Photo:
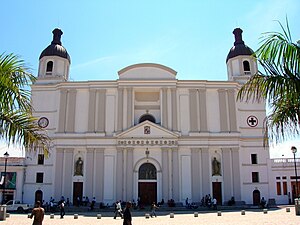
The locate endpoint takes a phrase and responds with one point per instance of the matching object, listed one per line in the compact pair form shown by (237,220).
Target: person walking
(127,214)
(118,209)
(62,209)
(153,208)
(38,213)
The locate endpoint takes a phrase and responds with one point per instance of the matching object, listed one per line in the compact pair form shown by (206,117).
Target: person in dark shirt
(127,214)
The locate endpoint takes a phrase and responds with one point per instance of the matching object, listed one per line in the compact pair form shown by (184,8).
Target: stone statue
(78,167)
(216,167)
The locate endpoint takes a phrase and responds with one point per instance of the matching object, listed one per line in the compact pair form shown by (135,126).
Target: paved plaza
(272,217)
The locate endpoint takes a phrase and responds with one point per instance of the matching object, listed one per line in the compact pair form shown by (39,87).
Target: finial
(56,36)
(238,36)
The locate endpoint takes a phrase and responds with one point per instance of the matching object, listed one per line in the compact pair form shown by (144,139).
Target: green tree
(17,125)
(278,84)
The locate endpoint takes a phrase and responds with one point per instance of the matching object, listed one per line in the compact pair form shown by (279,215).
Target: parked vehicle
(15,205)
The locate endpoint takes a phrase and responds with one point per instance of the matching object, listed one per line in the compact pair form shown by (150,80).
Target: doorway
(147,192)
(77,192)
(217,192)
(256,197)
(38,196)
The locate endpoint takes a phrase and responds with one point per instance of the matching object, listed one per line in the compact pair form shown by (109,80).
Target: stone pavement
(277,216)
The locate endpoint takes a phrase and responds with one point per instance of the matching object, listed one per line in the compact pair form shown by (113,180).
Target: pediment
(148,130)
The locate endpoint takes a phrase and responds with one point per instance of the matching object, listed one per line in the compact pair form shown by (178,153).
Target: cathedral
(147,135)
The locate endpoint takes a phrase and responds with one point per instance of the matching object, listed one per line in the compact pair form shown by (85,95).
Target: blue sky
(192,37)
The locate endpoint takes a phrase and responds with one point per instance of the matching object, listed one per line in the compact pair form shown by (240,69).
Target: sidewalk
(252,217)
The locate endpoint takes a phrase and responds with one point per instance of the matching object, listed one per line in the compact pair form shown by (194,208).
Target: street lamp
(6,155)
(294,150)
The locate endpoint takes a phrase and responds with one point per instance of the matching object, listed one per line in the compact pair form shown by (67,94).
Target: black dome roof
(239,47)
(55,48)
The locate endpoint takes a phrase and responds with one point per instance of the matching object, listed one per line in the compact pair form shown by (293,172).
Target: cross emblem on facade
(252,121)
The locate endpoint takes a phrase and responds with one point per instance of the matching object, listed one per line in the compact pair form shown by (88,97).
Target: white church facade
(147,135)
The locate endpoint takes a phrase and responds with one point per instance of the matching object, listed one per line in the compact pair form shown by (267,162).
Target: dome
(56,48)
(239,47)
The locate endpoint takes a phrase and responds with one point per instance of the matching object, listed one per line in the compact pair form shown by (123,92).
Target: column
(71,110)
(92,110)
(68,173)
(124,173)
(62,111)
(236,174)
(129,177)
(119,174)
(120,109)
(202,110)
(193,110)
(98,190)
(223,110)
(58,179)
(205,161)
(164,108)
(101,94)
(165,174)
(129,108)
(232,111)
(227,173)
(174,110)
(175,174)
(195,166)
(89,172)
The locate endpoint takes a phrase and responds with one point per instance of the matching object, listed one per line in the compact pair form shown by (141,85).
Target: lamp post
(294,150)
(6,155)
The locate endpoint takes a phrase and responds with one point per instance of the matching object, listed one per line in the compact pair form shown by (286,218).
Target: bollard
(171,215)
(219,213)
(51,216)
(7,215)
(195,214)
(288,210)
(75,216)
(265,211)
(98,216)
(147,215)
(243,212)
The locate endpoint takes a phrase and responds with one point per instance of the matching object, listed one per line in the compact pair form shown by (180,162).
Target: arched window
(147,117)
(49,67)
(246,66)
(147,171)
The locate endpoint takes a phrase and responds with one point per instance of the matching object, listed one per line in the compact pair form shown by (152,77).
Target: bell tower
(54,61)
(240,61)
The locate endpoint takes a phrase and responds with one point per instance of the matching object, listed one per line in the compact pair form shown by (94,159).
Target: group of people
(38,214)
(209,202)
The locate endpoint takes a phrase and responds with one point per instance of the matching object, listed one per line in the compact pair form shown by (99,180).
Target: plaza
(274,216)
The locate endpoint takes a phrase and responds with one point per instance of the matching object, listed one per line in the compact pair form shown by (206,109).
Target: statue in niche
(216,167)
(78,171)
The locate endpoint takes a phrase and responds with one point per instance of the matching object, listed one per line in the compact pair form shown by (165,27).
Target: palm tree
(17,125)
(279,84)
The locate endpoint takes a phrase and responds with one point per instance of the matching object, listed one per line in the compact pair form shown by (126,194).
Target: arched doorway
(39,196)
(256,197)
(147,185)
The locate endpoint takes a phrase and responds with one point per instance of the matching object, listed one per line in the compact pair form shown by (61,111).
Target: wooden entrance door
(39,196)
(256,197)
(77,192)
(147,192)
(217,192)
(293,185)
